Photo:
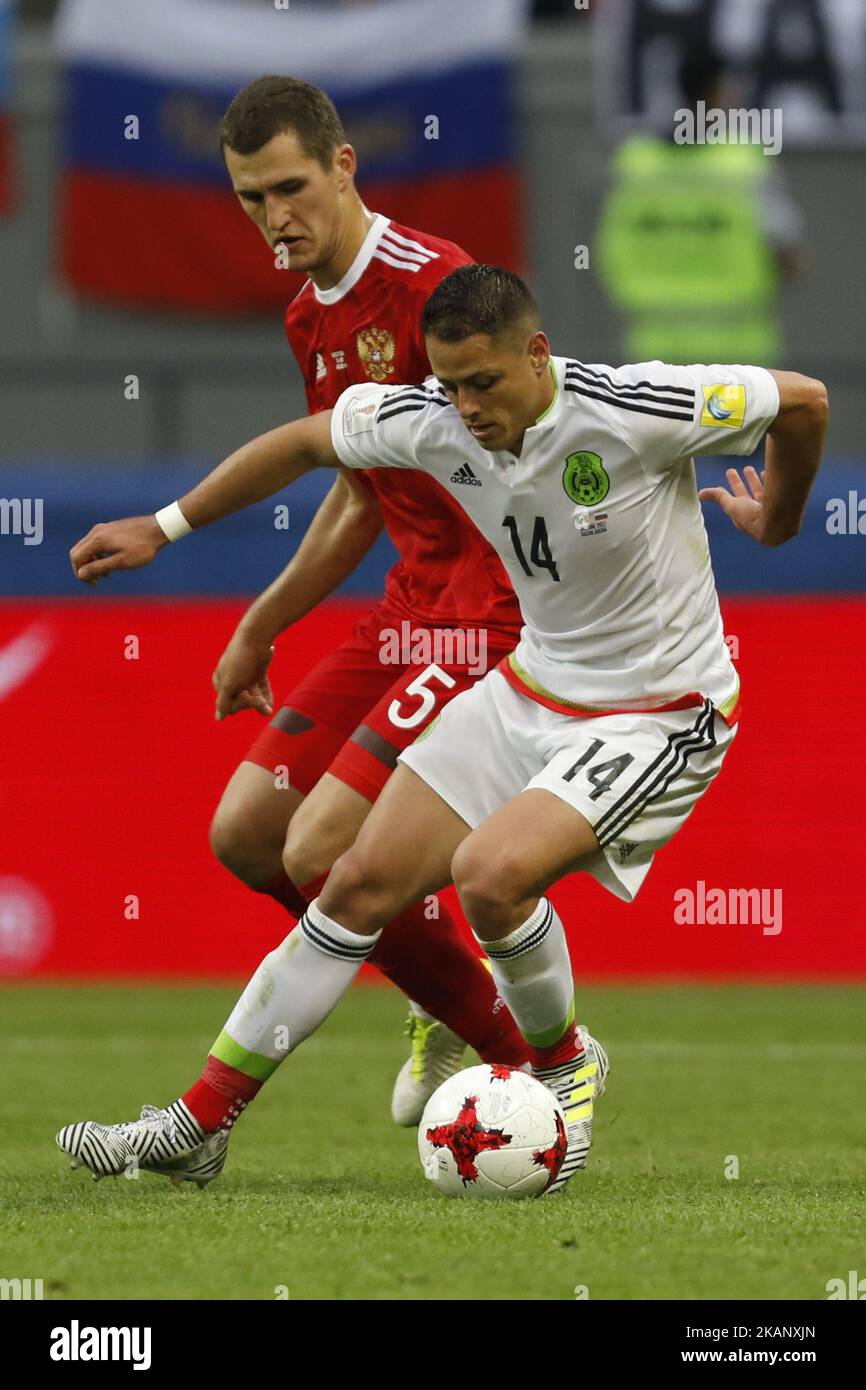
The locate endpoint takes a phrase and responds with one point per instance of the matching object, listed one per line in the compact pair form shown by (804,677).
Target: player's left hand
(744,505)
(116,545)
(241,677)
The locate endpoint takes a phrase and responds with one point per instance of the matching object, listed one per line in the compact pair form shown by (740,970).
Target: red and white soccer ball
(492,1131)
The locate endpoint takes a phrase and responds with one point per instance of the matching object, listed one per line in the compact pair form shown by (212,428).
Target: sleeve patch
(359,415)
(724,405)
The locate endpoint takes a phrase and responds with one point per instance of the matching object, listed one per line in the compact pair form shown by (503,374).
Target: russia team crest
(376,348)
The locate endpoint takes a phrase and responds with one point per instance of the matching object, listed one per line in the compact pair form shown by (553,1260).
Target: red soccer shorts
(398,675)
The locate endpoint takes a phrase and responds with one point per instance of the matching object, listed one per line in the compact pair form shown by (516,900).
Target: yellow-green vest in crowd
(683,253)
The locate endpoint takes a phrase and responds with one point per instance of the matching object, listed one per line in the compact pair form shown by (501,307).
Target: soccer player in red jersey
(338,732)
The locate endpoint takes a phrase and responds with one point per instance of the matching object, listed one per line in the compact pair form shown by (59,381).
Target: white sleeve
(684,411)
(373,426)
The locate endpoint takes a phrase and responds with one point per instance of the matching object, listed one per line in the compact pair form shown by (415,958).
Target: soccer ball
(492,1131)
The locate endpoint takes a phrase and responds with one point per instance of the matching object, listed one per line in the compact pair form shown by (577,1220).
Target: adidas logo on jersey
(464,474)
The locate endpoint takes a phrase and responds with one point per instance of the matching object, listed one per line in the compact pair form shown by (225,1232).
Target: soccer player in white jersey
(589,746)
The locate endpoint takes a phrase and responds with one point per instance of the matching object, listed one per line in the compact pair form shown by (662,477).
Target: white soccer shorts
(634,777)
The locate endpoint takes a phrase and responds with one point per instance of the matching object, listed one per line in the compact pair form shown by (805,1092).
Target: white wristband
(172,521)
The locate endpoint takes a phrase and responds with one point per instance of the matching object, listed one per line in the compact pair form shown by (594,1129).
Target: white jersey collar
(358,266)
(546,420)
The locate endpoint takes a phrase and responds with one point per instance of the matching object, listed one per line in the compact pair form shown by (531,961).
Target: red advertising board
(112,765)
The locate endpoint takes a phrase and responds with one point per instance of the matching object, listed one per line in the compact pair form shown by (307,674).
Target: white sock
(532,970)
(297,985)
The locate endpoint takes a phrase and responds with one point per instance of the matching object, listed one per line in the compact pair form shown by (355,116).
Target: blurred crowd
(542,9)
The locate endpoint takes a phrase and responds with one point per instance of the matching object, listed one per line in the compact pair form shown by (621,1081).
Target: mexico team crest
(584,479)
(376,348)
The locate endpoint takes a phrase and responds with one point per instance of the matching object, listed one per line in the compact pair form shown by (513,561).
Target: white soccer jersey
(597,521)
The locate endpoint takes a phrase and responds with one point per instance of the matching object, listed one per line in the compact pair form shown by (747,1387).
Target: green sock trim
(552,1035)
(253,1064)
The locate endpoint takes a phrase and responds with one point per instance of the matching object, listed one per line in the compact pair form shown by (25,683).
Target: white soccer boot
(577,1085)
(436,1054)
(162,1141)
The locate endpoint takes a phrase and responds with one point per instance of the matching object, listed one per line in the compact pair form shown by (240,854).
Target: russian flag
(7,174)
(147,216)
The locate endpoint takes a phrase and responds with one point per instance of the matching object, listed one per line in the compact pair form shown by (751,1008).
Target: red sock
(220,1094)
(283,891)
(311,890)
(434,966)
(563,1051)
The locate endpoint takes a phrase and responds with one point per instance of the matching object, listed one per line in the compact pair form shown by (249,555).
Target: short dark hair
(271,105)
(478,299)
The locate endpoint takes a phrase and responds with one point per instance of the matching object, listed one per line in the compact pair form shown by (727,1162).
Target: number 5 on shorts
(419,687)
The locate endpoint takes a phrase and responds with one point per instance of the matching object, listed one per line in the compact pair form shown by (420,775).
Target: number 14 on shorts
(601,775)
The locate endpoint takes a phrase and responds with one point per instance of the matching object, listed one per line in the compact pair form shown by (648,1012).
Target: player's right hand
(241,677)
(116,545)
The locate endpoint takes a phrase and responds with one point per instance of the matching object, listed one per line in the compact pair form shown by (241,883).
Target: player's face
(499,385)
(293,201)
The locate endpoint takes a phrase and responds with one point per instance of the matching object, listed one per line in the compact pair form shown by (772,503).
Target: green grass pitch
(324,1196)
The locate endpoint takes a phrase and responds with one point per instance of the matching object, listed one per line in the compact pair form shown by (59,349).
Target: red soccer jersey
(367,328)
